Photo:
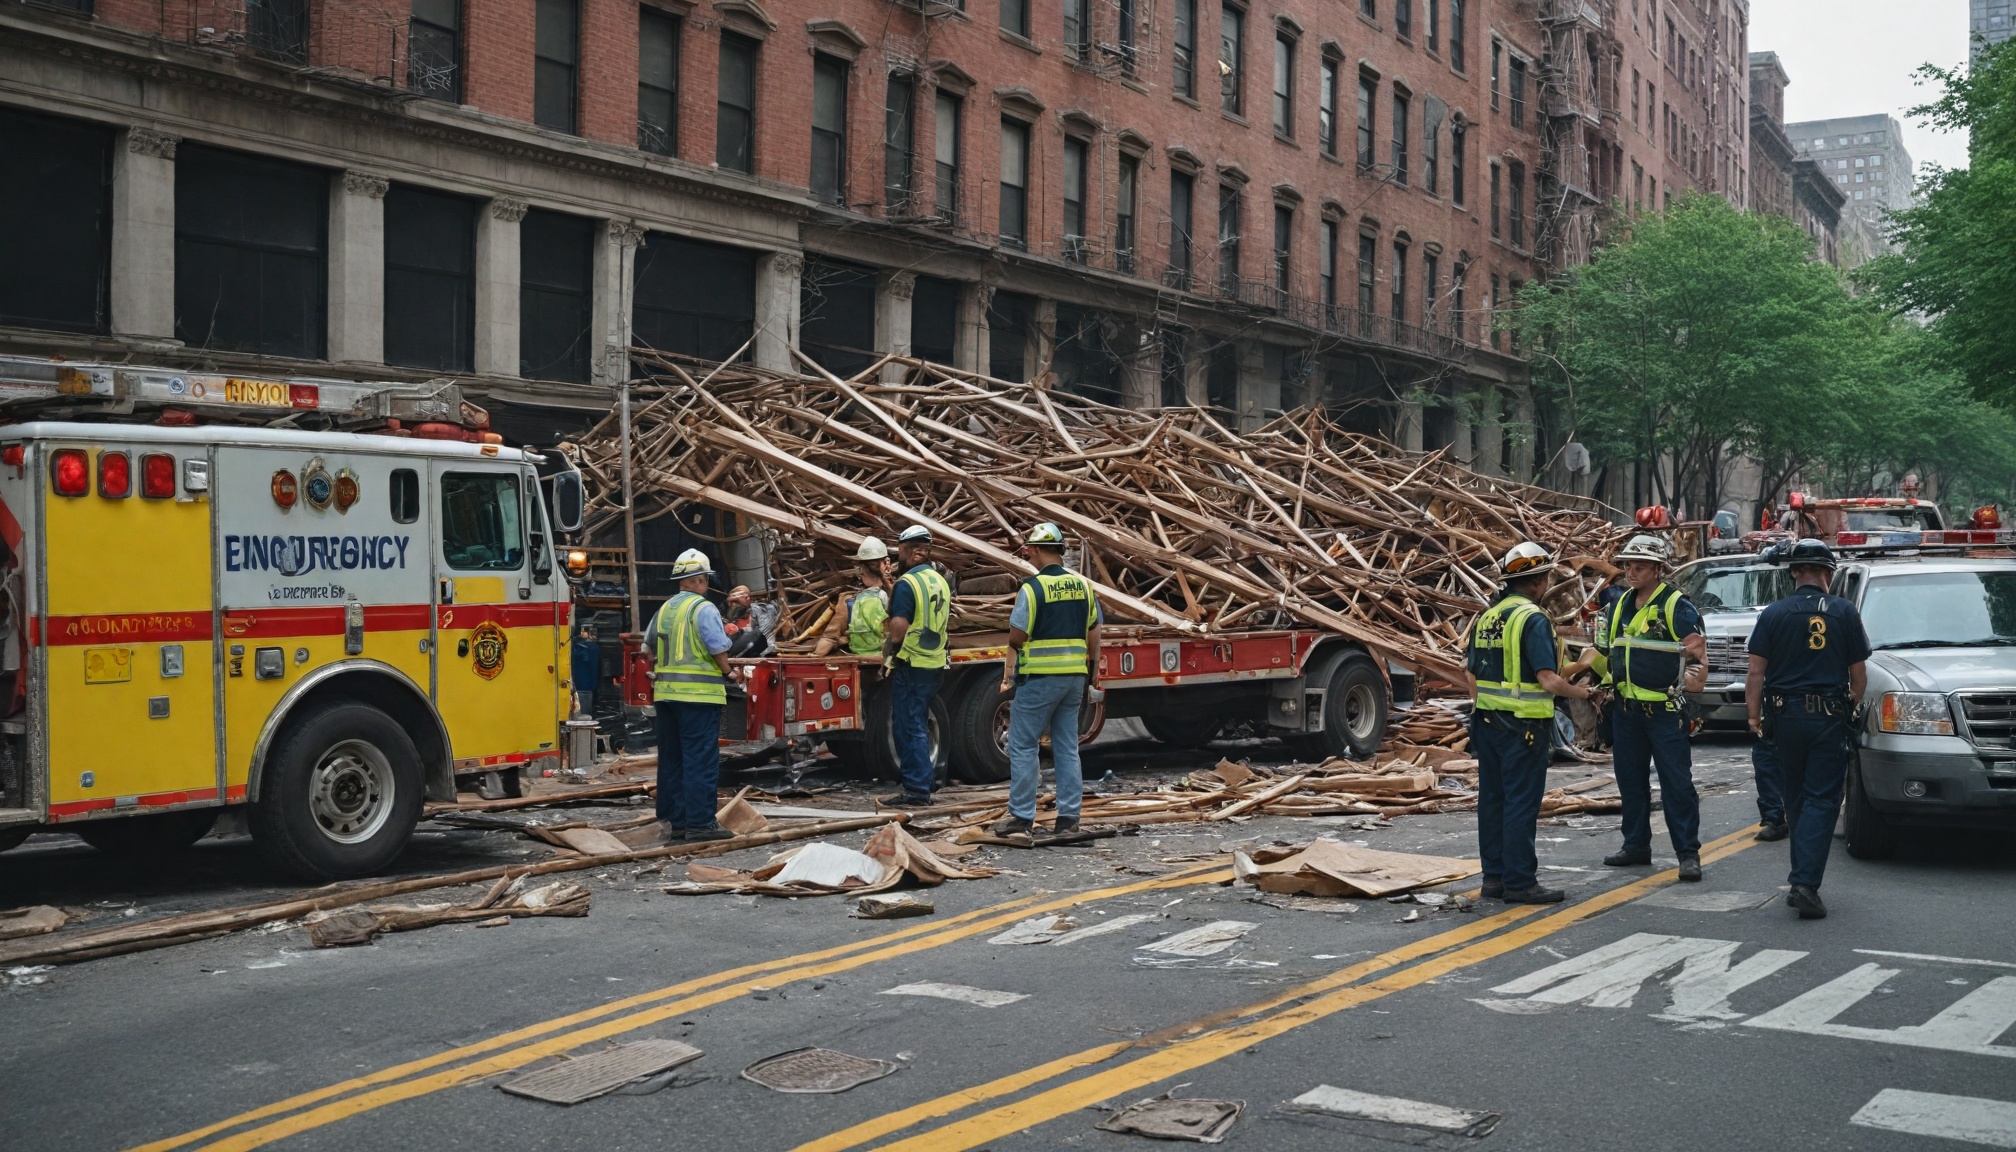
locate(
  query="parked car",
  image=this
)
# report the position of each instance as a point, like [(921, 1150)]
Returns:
[(1937, 746), (1729, 590)]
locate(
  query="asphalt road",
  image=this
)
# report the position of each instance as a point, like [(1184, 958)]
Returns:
[(1641, 1014)]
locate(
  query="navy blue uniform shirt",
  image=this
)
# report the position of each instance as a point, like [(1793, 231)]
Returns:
[(1809, 639), (1686, 617), (1536, 647)]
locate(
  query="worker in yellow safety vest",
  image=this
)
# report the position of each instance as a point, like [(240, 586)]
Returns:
[(689, 688), (1650, 636), (1054, 630), (1511, 657), (916, 648), (859, 621)]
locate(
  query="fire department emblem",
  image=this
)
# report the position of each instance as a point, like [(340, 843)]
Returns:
[(486, 650)]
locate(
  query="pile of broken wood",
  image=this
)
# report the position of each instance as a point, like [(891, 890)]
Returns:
[(1185, 524)]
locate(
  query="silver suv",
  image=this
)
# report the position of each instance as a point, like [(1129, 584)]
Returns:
[(1938, 744), (1729, 591)]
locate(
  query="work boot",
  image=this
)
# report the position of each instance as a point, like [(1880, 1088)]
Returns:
[(1770, 832), (1012, 826), (1492, 889), (1806, 901), (1690, 868), (905, 800), (1064, 824), (1626, 858), (1534, 895), (714, 833)]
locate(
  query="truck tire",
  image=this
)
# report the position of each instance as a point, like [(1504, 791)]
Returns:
[(340, 795), (980, 731), (1870, 836), (145, 837), (1354, 713), (1182, 729), (878, 745)]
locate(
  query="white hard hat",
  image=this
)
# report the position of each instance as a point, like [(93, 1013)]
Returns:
[(1046, 533), (1525, 559), (871, 549), (915, 534), (1647, 547), (691, 562)]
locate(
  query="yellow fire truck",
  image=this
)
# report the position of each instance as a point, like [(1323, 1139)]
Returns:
[(317, 599)]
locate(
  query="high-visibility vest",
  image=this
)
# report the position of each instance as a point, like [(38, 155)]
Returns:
[(1062, 610), (685, 670), (1501, 676), (925, 644), (1642, 666), (865, 614)]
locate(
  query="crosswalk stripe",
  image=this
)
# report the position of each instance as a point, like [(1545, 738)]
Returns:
[(1991, 1123)]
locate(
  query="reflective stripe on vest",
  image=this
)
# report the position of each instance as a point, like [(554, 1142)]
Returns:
[(685, 671), (924, 644), (1502, 629), (1643, 668), (1056, 646)]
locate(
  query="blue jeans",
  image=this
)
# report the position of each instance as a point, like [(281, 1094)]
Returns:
[(910, 691), (689, 763), (1770, 782), (1512, 758), (1644, 739), (1813, 754), (1045, 704)]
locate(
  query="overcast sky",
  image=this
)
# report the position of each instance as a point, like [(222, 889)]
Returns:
[(1856, 57)]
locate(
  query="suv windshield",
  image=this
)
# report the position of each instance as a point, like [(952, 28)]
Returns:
[(1721, 588), (1940, 609), (1891, 520)]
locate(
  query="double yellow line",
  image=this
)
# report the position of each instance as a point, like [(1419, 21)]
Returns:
[(517, 1048)]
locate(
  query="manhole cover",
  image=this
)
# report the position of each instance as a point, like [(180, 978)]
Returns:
[(598, 1073), (816, 1070)]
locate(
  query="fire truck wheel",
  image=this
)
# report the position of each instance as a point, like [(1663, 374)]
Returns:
[(340, 795), (162, 834), (1182, 729), (1354, 713), (12, 837), (878, 746)]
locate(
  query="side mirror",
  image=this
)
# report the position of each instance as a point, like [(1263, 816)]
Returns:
[(568, 501)]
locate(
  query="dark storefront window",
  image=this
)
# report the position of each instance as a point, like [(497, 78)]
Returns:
[(251, 253), (430, 279), (556, 265), (693, 298), (836, 315), (934, 319), (56, 239)]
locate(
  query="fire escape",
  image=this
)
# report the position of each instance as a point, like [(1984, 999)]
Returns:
[(1580, 156)]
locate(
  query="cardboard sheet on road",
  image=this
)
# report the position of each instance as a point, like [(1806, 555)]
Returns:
[(1334, 868)]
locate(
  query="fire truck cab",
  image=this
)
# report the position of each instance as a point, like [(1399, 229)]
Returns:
[(325, 627)]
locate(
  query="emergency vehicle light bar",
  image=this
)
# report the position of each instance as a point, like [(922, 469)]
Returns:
[(1931, 538), (25, 379)]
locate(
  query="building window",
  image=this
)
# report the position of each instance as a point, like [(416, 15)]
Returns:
[(1127, 33), (1431, 267), (1431, 152), (1074, 199), (946, 116), (1369, 9), (556, 59), (1231, 56), (1457, 133), (1123, 213), (1496, 173), (1015, 17), (1326, 107), (1634, 96), (1434, 25), (1491, 311), (1229, 207), (829, 130), (1875, 161), (1366, 87), (693, 298), (934, 319), (278, 29), (1368, 254), (1327, 267), (1077, 30), (1497, 54), (898, 141), (1015, 183), (1399, 282), (434, 49), (836, 310), (1518, 69), (556, 264), (1185, 52), (430, 279), (56, 247), (1403, 19), (1458, 16), (735, 110), (1284, 231), (251, 253), (1399, 137), (1284, 85), (1518, 204), (657, 82), (1182, 226), (1459, 322)]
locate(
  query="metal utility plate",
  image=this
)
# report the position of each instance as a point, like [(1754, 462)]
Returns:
[(816, 1070), (600, 1073)]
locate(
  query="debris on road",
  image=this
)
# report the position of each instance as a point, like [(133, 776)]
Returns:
[(34, 920), (816, 1070), (600, 1073), (1326, 867), (1166, 1118), (1036, 930), (890, 907), (984, 997), (507, 898), (1350, 1105), (1208, 940), (818, 869)]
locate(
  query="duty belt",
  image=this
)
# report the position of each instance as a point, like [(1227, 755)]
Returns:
[(1810, 702)]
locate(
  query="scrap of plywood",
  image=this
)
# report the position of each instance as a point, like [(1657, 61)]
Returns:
[(1333, 868)]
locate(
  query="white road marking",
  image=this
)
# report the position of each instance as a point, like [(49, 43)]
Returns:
[(1971, 1025), (1707, 980), (1394, 1110), (1117, 924), (1517, 1007), (1208, 940), (1937, 959), (985, 998), (1970, 1118), (1610, 976)]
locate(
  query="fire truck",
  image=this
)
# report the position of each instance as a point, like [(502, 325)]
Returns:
[(316, 601)]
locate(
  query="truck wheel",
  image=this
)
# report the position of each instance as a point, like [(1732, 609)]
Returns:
[(1181, 729), (980, 731), (1870, 836), (161, 834), (340, 795), (1354, 713), (878, 746)]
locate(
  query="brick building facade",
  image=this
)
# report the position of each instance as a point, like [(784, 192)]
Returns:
[(1248, 203)]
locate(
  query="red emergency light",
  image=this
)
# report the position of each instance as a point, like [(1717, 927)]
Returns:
[(157, 476), (1850, 539), (115, 475), (70, 472)]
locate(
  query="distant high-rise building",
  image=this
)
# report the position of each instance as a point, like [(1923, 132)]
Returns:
[(1865, 158), (1989, 20), (1781, 182)]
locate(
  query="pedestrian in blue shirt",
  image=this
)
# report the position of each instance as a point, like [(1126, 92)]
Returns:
[(585, 669)]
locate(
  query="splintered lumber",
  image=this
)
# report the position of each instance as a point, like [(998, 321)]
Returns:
[(1186, 526)]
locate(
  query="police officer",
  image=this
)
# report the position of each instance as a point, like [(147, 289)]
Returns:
[(1511, 657), (1764, 768), (1651, 634), (689, 687), (1806, 679), (1054, 629), (916, 649)]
